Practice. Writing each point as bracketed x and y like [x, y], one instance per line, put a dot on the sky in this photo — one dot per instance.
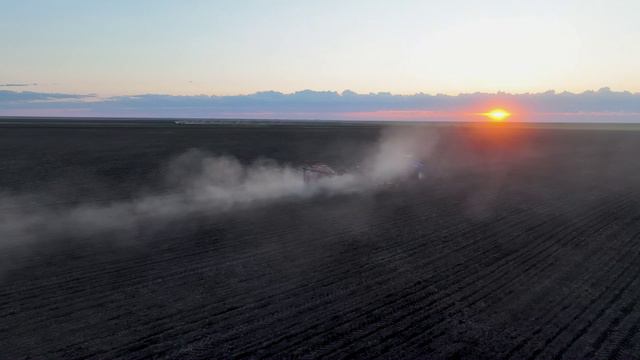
[105, 51]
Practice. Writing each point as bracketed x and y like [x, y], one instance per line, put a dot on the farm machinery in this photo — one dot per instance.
[416, 171]
[313, 173]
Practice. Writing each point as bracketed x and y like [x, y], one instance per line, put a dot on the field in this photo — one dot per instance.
[521, 243]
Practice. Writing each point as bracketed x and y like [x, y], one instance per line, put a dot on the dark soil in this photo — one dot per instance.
[523, 243]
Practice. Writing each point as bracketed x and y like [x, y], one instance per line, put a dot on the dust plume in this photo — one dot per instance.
[201, 183]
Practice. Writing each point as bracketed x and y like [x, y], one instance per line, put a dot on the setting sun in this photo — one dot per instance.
[497, 115]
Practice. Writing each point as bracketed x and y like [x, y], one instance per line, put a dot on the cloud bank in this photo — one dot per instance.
[18, 84]
[601, 105]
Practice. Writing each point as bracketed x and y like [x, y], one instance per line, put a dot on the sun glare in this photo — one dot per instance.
[497, 115]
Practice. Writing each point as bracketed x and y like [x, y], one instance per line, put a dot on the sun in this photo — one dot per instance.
[497, 115]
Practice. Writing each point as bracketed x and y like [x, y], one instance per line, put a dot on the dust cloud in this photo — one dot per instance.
[202, 183]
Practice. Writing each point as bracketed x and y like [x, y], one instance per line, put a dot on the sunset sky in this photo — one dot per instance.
[117, 48]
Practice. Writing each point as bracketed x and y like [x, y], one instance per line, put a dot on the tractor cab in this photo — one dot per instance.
[313, 173]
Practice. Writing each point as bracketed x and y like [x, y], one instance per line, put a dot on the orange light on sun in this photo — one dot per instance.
[497, 115]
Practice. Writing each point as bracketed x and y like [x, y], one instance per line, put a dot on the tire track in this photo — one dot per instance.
[520, 347]
[594, 252]
[405, 329]
[272, 289]
[386, 304]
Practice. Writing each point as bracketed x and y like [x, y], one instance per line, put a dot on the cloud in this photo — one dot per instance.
[600, 105]
[18, 84]
[30, 98]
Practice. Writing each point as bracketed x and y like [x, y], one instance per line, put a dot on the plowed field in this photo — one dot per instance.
[520, 244]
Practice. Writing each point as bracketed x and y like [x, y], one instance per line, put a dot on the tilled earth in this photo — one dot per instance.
[522, 243]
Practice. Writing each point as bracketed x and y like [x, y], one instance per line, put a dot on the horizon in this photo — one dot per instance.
[602, 105]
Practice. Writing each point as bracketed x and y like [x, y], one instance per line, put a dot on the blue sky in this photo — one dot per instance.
[185, 48]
